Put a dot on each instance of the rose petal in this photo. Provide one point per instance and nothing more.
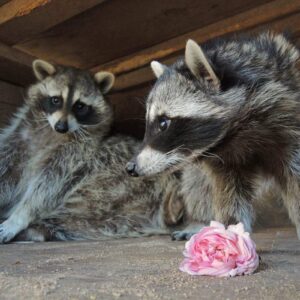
(238, 228)
(216, 225)
(217, 251)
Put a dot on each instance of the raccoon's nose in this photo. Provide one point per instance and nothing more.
(61, 126)
(131, 169)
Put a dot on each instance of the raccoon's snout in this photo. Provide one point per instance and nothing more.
(131, 169)
(61, 126)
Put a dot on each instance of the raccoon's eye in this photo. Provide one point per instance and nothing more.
(81, 108)
(164, 123)
(55, 100)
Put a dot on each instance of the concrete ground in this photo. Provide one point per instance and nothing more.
(145, 268)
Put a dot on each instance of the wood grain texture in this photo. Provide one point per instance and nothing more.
(290, 23)
(129, 110)
(139, 76)
(118, 28)
(22, 19)
(2, 2)
(248, 19)
(15, 66)
(11, 97)
(18, 8)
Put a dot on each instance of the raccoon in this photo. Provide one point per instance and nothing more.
(61, 167)
(231, 111)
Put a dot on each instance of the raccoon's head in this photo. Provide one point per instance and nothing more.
(71, 100)
(186, 114)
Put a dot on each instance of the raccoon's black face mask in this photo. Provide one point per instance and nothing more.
(183, 120)
(71, 99)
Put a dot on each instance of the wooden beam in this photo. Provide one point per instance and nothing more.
(23, 19)
(11, 99)
(137, 77)
(10, 94)
(117, 28)
(19, 8)
(2, 2)
(129, 110)
(15, 66)
(259, 15)
(144, 74)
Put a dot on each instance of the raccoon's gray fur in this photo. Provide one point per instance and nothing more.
(233, 110)
(62, 174)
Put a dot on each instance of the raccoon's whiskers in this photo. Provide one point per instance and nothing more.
(176, 162)
(212, 155)
(42, 127)
(41, 119)
(75, 136)
(141, 101)
(82, 134)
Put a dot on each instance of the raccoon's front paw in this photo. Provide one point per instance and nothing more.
(181, 235)
(7, 233)
(188, 232)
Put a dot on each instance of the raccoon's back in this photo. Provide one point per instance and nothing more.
(255, 60)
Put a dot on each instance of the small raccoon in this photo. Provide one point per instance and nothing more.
(232, 110)
(62, 174)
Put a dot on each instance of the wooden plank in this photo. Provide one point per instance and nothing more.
(291, 24)
(15, 66)
(129, 110)
(18, 8)
(144, 74)
(22, 19)
(117, 28)
(258, 15)
(6, 112)
(138, 77)
(2, 2)
(10, 94)
(11, 97)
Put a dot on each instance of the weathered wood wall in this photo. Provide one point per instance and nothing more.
(11, 97)
(122, 37)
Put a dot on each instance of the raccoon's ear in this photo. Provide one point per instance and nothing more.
(198, 64)
(105, 81)
(42, 69)
(157, 68)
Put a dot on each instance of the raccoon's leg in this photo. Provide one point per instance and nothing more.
(172, 208)
(232, 200)
(173, 213)
(36, 233)
(43, 195)
(12, 153)
(10, 157)
(187, 232)
(17, 221)
(291, 198)
(195, 191)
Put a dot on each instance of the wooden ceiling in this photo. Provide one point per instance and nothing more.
(123, 36)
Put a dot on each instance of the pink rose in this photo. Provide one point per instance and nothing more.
(219, 252)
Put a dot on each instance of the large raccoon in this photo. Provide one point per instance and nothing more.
(232, 109)
(62, 174)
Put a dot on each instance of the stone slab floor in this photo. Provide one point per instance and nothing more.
(145, 268)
